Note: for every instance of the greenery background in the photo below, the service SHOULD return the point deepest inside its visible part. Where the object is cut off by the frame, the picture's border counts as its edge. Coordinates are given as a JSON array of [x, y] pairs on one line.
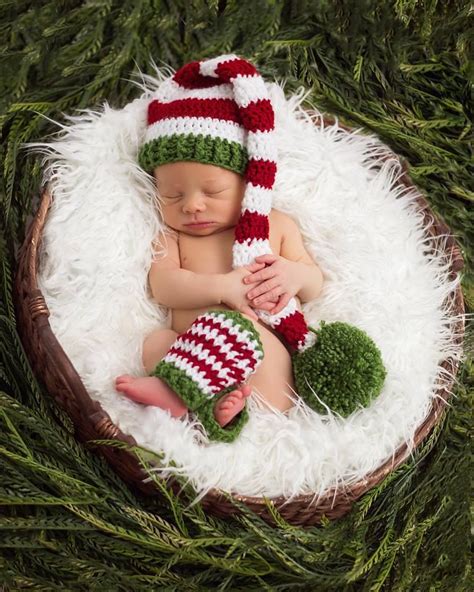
[[400, 69]]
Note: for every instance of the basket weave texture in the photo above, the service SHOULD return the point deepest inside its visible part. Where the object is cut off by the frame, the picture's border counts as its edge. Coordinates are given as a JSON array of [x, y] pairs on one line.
[[52, 366]]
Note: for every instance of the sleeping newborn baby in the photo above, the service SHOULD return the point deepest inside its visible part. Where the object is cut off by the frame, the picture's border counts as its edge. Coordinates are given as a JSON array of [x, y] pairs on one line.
[[201, 205], [235, 270]]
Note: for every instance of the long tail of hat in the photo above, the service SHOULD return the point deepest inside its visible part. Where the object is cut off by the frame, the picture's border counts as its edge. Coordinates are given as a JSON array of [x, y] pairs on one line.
[[258, 118]]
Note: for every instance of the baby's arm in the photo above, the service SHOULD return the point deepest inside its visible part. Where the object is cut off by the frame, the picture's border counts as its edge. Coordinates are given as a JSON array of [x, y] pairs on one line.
[[174, 287], [292, 248]]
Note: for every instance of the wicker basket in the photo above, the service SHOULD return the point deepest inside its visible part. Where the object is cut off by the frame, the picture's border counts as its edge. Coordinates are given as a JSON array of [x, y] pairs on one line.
[[91, 422]]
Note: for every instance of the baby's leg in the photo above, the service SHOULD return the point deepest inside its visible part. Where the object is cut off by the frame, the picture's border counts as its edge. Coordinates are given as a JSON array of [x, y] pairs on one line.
[[156, 346], [274, 377], [151, 390]]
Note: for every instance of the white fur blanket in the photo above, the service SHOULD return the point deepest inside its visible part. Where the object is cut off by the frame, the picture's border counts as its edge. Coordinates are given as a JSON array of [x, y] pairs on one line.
[[361, 228]]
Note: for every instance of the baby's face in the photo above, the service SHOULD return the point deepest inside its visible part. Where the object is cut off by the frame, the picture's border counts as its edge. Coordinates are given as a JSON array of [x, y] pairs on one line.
[[196, 192]]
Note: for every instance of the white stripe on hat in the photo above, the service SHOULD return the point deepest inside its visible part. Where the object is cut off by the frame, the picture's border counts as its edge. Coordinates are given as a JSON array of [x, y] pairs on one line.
[[208, 126], [248, 89], [245, 253], [263, 144], [170, 90], [208, 67], [309, 340], [289, 309], [257, 199]]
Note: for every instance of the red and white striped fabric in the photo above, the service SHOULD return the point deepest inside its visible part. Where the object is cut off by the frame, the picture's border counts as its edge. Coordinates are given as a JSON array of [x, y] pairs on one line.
[[202, 104], [215, 352]]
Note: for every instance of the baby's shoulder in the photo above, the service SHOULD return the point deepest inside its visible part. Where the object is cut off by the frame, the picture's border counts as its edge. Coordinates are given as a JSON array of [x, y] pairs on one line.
[[165, 242], [277, 217], [292, 242], [280, 223]]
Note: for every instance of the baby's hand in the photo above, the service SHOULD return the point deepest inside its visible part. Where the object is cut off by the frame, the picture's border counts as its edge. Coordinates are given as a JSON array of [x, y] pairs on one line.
[[277, 283], [234, 290], [269, 304]]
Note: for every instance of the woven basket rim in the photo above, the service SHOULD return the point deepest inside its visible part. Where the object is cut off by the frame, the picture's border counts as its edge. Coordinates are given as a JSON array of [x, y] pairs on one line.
[[307, 501]]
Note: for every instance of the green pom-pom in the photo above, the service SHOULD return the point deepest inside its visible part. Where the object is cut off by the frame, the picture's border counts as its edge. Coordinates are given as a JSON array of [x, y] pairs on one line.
[[344, 368]]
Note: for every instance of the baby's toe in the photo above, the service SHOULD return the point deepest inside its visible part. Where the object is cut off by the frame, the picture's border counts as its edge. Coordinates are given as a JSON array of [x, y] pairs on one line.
[[246, 390], [230, 402], [122, 387], [123, 378]]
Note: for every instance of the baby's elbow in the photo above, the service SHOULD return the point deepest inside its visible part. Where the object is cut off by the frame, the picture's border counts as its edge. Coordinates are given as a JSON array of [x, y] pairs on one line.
[[319, 281], [160, 288], [313, 286], [157, 296]]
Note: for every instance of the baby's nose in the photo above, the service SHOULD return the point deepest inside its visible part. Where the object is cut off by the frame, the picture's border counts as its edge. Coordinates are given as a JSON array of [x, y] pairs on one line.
[[193, 205]]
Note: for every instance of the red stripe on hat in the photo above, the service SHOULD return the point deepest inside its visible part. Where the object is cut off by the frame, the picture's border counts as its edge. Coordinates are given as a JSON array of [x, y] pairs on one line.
[[258, 116], [224, 109], [252, 225], [189, 76], [261, 172], [293, 328], [234, 67]]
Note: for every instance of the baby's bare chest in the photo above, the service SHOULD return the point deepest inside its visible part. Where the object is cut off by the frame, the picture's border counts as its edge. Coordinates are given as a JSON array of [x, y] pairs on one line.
[[213, 253]]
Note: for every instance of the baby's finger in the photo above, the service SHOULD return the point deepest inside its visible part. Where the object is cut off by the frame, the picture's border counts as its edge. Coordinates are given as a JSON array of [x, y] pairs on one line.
[[268, 258], [250, 312], [283, 301], [271, 289], [259, 276], [254, 266], [268, 306]]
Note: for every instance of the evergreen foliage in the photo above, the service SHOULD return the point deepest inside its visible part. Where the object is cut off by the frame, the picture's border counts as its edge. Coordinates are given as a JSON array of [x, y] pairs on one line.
[[399, 68]]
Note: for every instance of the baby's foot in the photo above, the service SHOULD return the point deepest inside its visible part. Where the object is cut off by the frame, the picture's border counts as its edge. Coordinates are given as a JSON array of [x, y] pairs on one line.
[[151, 390], [229, 405]]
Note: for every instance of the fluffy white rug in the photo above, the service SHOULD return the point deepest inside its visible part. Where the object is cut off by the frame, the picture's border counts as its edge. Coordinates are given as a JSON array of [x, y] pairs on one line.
[[360, 227]]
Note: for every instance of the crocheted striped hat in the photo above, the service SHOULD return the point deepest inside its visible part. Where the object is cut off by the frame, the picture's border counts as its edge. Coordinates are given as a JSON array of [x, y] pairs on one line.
[[218, 111]]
